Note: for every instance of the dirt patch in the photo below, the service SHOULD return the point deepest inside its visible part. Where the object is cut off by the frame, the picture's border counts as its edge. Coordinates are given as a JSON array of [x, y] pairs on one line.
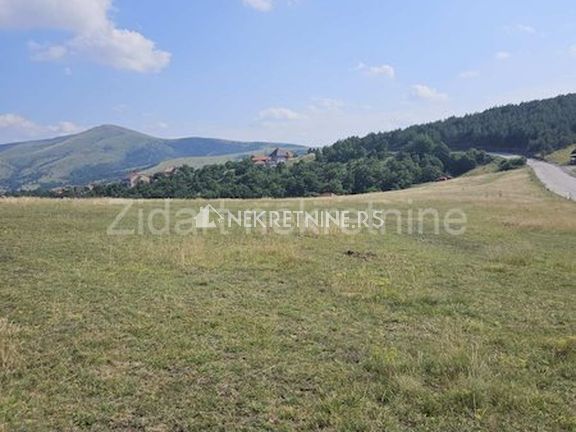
[[360, 255]]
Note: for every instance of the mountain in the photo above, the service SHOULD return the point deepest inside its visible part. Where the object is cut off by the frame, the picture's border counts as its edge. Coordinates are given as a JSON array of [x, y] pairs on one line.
[[109, 153]]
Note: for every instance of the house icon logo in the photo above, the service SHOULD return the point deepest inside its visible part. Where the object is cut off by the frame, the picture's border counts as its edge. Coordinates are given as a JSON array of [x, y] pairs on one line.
[[206, 217]]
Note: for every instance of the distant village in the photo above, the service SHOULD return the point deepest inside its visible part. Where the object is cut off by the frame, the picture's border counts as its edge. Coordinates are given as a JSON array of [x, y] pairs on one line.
[[277, 157], [274, 159], [136, 178]]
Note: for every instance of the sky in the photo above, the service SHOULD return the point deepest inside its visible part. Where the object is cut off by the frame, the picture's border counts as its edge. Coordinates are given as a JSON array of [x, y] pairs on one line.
[[295, 71]]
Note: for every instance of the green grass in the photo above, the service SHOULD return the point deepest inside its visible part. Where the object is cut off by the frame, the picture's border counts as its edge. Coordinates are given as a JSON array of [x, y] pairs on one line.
[[199, 162], [253, 332], [195, 162], [489, 168], [561, 157]]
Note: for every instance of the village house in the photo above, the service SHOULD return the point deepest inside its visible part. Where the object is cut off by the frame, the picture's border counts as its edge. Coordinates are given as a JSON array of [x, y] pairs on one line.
[[277, 157], [280, 156], [573, 157], [169, 171], [135, 178], [260, 160]]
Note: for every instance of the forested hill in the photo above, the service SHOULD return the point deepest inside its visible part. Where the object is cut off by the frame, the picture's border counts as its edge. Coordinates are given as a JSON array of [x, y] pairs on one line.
[[530, 128], [377, 162], [424, 160]]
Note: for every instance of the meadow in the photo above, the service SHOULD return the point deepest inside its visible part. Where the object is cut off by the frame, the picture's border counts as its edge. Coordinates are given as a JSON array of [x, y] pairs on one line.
[[254, 332], [562, 156]]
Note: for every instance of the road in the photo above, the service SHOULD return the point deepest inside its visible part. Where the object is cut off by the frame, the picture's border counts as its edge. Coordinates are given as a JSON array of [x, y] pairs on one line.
[[554, 178]]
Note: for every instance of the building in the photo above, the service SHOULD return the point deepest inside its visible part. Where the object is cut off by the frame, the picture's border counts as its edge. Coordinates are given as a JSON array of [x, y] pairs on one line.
[[573, 157], [277, 157], [135, 178], [169, 171], [260, 160]]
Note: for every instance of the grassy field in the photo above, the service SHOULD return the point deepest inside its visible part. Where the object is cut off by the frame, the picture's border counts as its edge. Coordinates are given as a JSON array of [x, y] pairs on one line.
[[195, 162], [300, 332], [561, 157]]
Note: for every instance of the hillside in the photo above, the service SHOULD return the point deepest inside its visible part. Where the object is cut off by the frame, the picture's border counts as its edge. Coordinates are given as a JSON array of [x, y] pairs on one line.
[[202, 161], [105, 153], [530, 128]]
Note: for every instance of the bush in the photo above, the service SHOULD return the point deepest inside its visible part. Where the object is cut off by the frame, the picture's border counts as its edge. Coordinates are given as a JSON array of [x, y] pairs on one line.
[[511, 164]]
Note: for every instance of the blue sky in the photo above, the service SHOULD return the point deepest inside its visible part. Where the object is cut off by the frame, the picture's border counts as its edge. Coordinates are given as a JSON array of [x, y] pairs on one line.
[[301, 71]]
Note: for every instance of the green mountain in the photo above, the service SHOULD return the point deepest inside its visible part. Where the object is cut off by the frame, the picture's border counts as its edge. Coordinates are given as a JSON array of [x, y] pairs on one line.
[[109, 153], [531, 128]]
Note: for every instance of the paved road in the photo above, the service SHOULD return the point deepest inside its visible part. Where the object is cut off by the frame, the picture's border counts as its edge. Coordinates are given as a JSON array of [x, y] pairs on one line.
[[555, 178]]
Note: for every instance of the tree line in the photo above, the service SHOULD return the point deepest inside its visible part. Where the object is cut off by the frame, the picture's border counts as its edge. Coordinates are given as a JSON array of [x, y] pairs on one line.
[[332, 170], [530, 129]]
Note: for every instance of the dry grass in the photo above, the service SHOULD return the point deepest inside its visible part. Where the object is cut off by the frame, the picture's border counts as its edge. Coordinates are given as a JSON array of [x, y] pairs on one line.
[[293, 332], [9, 345], [561, 157]]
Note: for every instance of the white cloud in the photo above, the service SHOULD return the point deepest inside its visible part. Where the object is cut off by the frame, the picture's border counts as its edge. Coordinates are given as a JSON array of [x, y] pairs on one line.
[[94, 35], [422, 91], [279, 114], [15, 127], [122, 49], [502, 55], [326, 104], [45, 52], [259, 5], [375, 71], [521, 28], [469, 74], [65, 128], [10, 120], [70, 15]]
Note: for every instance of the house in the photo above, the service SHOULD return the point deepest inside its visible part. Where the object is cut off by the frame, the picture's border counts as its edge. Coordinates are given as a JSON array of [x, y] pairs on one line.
[[280, 156], [327, 195], [59, 191], [135, 178], [277, 157], [573, 157], [443, 178], [169, 171], [260, 160]]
